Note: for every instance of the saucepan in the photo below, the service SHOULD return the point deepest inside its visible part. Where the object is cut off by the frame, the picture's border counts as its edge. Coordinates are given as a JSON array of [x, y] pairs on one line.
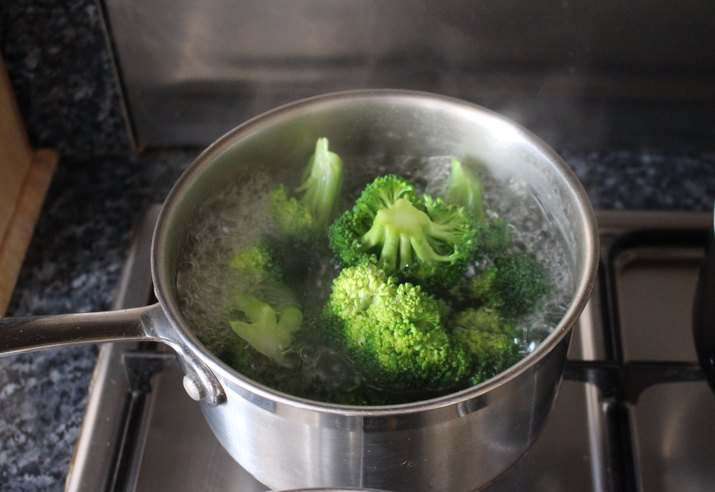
[[456, 442]]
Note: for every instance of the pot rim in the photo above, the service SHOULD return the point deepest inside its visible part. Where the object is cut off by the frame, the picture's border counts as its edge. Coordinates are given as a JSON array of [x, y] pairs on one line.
[[162, 276]]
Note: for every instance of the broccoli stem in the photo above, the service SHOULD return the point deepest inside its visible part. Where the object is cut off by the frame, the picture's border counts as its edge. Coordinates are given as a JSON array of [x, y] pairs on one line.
[[321, 183], [255, 310], [401, 229], [466, 190]]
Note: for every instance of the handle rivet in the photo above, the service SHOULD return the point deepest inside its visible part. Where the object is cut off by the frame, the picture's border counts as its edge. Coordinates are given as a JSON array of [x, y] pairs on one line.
[[193, 388]]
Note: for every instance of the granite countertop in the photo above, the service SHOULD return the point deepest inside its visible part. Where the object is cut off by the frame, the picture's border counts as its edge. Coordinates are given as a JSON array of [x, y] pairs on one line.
[[82, 236], [72, 265]]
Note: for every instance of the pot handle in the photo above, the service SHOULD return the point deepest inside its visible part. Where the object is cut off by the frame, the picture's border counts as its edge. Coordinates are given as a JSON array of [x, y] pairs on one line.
[[148, 323], [30, 333]]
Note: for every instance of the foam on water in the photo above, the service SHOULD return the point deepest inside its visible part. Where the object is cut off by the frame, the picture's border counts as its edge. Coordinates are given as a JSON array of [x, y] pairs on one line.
[[237, 216], [229, 221]]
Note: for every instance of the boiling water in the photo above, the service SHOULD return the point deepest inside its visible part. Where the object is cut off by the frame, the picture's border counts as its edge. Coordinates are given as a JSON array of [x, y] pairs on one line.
[[238, 216]]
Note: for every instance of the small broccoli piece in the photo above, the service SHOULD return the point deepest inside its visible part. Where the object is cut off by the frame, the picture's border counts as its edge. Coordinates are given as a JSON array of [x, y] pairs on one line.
[[255, 260], [422, 239], [493, 238], [391, 331], [514, 285], [319, 190], [321, 183], [268, 330], [466, 190], [255, 271], [490, 342], [264, 310], [357, 288], [292, 217]]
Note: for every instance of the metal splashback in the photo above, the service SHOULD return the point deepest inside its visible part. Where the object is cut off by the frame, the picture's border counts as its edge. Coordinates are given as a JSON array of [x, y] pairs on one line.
[[578, 74]]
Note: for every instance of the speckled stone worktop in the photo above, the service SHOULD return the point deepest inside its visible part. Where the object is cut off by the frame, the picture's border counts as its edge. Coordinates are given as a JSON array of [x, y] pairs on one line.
[[73, 265], [81, 239]]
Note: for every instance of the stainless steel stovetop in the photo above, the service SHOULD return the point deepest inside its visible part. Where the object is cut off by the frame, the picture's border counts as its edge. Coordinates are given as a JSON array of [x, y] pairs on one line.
[[632, 414]]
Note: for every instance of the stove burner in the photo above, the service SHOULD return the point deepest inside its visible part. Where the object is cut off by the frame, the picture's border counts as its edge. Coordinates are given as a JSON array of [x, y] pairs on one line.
[[631, 413]]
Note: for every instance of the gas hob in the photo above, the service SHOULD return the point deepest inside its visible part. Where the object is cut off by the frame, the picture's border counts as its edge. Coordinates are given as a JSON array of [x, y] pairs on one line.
[[633, 412]]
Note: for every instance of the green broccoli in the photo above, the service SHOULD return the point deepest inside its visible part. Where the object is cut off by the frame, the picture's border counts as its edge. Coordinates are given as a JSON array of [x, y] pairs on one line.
[[420, 239], [320, 188], [514, 285], [292, 217], [392, 331], [265, 311], [321, 183], [257, 261], [493, 239], [388, 339], [493, 236], [255, 271], [267, 329], [488, 340], [466, 190]]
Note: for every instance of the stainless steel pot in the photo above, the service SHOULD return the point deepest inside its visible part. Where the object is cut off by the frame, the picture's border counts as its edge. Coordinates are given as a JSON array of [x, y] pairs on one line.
[[457, 442]]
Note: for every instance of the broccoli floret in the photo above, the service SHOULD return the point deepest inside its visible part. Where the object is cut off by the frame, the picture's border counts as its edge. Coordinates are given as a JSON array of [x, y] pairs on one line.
[[267, 329], [321, 183], [392, 331], [493, 238], [420, 239], [490, 342], [382, 193], [255, 260], [466, 190], [345, 234], [255, 271], [265, 310], [292, 217], [356, 289], [514, 285], [314, 209]]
